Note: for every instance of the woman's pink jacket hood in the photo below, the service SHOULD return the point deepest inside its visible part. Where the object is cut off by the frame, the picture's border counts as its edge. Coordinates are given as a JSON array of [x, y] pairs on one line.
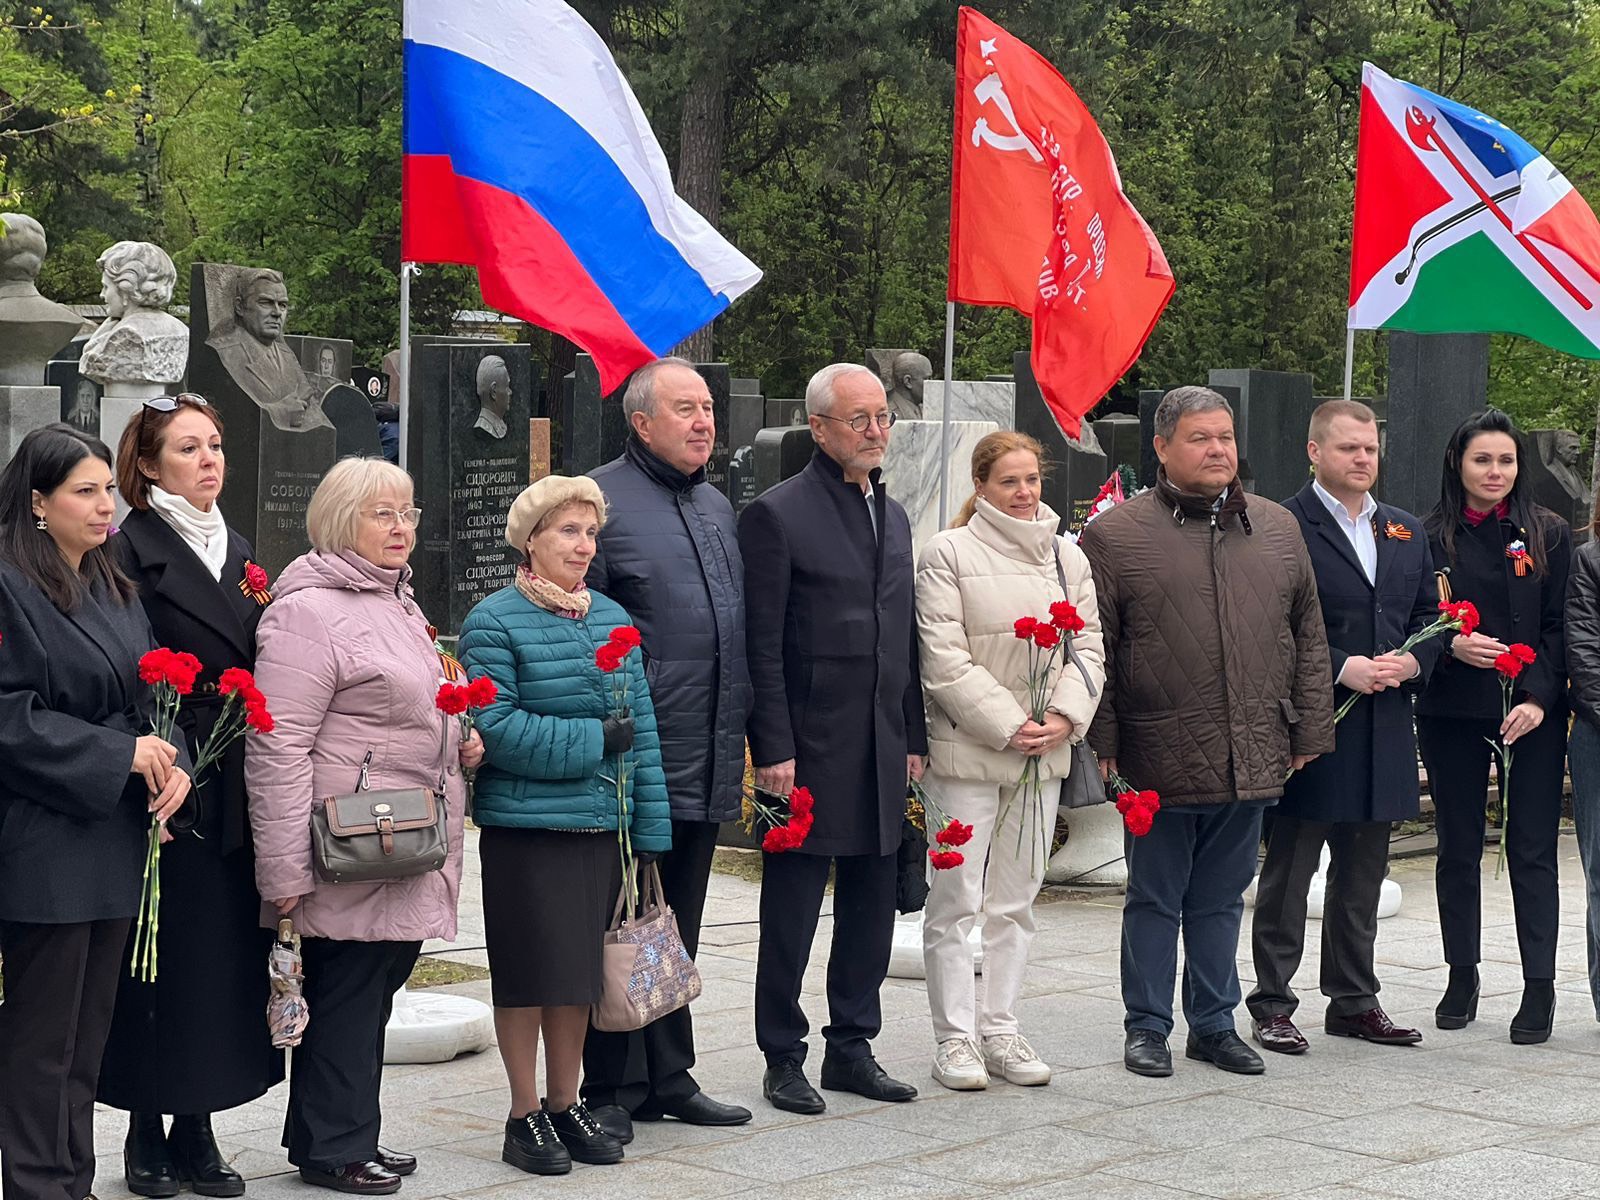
[[345, 660]]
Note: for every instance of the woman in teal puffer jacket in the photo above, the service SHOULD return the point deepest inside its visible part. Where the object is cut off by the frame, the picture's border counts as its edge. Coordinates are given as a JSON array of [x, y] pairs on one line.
[[547, 805]]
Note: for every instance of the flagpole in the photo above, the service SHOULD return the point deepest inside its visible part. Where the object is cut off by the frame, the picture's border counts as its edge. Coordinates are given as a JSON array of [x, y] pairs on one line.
[[944, 412], [403, 383], [1349, 357]]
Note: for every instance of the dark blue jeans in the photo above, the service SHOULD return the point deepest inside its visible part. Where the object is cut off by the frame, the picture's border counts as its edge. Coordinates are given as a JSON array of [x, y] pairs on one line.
[[1189, 872], [1583, 757]]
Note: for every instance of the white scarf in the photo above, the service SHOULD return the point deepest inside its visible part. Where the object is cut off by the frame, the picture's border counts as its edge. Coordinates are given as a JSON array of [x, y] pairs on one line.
[[206, 533]]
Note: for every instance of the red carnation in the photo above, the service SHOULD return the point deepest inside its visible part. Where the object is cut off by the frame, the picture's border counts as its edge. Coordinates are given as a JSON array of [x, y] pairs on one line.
[[609, 657], [451, 699], [1464, 612], [255, 577], [800, 802], [954, 834], [260, 719], [1025, 626], [1509, 664], [1138, 821], [481, 692], [1523, 653], [626, 636], [1046, 637], [236, 679], [944, 860], [1150, 800], [153, 666], [1127, 802], [1065, 617]]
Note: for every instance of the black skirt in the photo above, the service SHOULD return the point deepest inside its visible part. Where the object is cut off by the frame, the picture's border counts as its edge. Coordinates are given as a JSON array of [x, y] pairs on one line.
[[548, 896]]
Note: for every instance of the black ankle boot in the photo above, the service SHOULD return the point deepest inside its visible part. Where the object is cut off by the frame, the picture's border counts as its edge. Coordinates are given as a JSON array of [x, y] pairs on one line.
[[146, 1163], [1459, 1006], [198, 1162], [1537, 1015]]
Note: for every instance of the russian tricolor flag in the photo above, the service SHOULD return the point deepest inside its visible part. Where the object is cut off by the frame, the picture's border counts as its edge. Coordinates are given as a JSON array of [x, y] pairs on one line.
[[528, 157]]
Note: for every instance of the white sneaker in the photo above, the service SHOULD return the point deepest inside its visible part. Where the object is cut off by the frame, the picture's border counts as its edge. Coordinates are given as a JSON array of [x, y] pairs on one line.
[[956, 1064], [1010, 1056]]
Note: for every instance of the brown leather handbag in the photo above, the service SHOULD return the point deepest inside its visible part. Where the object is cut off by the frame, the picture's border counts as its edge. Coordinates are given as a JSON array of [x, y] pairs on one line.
[[396, 833]]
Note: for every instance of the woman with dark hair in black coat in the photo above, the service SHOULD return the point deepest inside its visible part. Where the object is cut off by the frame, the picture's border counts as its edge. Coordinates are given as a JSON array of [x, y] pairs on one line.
[[1510, 558], [81, 779], [192, 572]]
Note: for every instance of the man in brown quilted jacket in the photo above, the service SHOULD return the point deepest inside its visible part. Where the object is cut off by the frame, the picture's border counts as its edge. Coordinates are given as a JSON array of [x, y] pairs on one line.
[[1216, 686]]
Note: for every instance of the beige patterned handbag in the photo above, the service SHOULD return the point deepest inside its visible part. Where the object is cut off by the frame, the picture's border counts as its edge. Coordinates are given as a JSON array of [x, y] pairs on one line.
[[647, 972]]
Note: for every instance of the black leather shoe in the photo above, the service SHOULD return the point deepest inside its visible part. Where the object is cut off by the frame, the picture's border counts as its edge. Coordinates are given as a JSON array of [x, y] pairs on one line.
[[1279, 1034], [1459, 1005], [531, 1145], [146, 1161], [197, 1161], [1537, 1015], [581, 1134], [614, 1119], [1372, 1025], [1225, 1050], [393, 1160], [864, 1077], [698, 1109], [357, 1179], [784, 1085], [1145, 1052]]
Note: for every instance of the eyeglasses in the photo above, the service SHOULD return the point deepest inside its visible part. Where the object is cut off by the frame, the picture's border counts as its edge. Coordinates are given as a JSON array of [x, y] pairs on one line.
[[389, 517], [170, 403], [861, 422]]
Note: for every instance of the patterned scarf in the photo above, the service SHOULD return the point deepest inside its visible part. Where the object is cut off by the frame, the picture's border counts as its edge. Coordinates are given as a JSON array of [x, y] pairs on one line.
[[540, 591], [1475, 518]]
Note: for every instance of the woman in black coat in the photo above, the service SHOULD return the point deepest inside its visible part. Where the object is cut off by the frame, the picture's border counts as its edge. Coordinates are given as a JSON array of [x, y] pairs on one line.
[[191, 571], [81, 778], [1510, 558]]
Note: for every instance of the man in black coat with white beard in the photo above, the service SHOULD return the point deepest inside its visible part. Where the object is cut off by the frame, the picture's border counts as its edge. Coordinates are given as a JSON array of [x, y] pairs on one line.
[[1376, 585], [838, 710]]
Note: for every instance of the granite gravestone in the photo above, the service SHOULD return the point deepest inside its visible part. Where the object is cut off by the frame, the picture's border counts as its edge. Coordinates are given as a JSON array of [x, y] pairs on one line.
[[277, 454], [911, 470], [1555, 476], [971, 400], [742, 477], [719, 384], [747, 412], [355, 425], [472, 463], [1079, 465], [784, 414], [598, 428], [1149, 401], [781, 454], [1270, 418], [80, 398], [1436, 381], [1118, 434]]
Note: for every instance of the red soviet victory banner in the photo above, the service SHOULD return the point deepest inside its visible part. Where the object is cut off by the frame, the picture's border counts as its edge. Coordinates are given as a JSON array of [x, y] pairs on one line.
[[1038, 221]]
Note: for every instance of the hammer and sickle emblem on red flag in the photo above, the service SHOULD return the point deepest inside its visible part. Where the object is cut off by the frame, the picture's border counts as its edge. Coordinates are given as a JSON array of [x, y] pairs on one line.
[[991, 91]]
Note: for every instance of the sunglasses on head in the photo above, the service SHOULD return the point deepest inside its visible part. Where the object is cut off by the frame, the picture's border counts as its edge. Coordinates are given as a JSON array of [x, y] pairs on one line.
[[169, 403]]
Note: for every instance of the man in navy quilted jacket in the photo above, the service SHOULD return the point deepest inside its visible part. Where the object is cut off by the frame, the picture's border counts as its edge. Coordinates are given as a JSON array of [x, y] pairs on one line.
[[669, 554]]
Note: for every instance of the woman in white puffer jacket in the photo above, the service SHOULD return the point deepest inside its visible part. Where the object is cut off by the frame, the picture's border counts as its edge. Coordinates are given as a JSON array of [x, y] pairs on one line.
[[1001, 560]]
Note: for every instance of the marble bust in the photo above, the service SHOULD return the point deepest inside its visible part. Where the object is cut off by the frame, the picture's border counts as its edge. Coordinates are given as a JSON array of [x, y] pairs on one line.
[[494, 396], [138, 342], [908, 371], [31, 327], [252, 351]]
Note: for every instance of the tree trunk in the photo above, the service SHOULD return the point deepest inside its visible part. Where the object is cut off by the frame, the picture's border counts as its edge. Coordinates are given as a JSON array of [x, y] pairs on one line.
[[701, 136]]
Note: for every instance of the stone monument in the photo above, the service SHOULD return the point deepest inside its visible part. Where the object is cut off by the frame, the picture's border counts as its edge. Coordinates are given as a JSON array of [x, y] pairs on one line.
[[911, 470], [355, 424], [1436, 381], [247, 339], [32, 329], [468, 468], [1079, 466], [1118, 434], [1556, 479], [780, 454], [971, 400], [903, 374], [785, 414], [140, 350], [1271, 415]]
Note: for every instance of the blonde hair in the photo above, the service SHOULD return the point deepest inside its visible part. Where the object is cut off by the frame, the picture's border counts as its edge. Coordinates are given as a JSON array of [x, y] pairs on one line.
[[989, 451], [334, 514]]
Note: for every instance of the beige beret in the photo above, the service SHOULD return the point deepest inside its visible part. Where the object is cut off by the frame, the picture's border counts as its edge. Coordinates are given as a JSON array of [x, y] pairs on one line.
[[549, 494]]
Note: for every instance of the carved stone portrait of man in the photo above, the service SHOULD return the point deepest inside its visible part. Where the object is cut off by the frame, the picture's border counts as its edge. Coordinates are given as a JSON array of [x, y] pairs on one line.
[[85, 412], [252, 350], [31, 327], [137, 342], [494, 396], [908, 371]]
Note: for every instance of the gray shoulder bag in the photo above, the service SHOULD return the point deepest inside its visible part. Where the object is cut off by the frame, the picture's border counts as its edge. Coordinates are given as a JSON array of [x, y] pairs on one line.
[[1083, 785], [368, 837]]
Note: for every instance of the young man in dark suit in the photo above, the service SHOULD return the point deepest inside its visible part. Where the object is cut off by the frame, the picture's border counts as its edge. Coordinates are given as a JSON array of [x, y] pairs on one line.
[[1376, 585], [838, 709]]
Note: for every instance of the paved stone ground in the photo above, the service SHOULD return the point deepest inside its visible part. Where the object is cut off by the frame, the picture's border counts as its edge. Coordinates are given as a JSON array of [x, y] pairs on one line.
[[1466, 1115]]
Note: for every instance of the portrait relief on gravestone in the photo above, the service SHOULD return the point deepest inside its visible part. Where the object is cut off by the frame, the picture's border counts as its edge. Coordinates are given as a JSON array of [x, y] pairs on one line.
[[85, 413], [138, 342], [1557, 480], [247, 334], [903, 376], [32, 328], [494, 396]]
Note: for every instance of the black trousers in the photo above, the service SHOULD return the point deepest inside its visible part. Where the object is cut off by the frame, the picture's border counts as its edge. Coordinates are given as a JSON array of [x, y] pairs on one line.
[[648, 1067], [792, 887], [1457, 756], [334, 1083], [60, 989], [1358, 862]]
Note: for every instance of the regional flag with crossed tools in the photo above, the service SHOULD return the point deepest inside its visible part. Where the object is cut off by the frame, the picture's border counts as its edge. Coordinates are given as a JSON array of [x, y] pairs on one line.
[[1039, 222], [1461, 226]]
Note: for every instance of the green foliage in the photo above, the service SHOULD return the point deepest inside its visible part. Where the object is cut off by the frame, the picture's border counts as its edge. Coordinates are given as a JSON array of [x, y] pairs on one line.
[[267, 132]]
